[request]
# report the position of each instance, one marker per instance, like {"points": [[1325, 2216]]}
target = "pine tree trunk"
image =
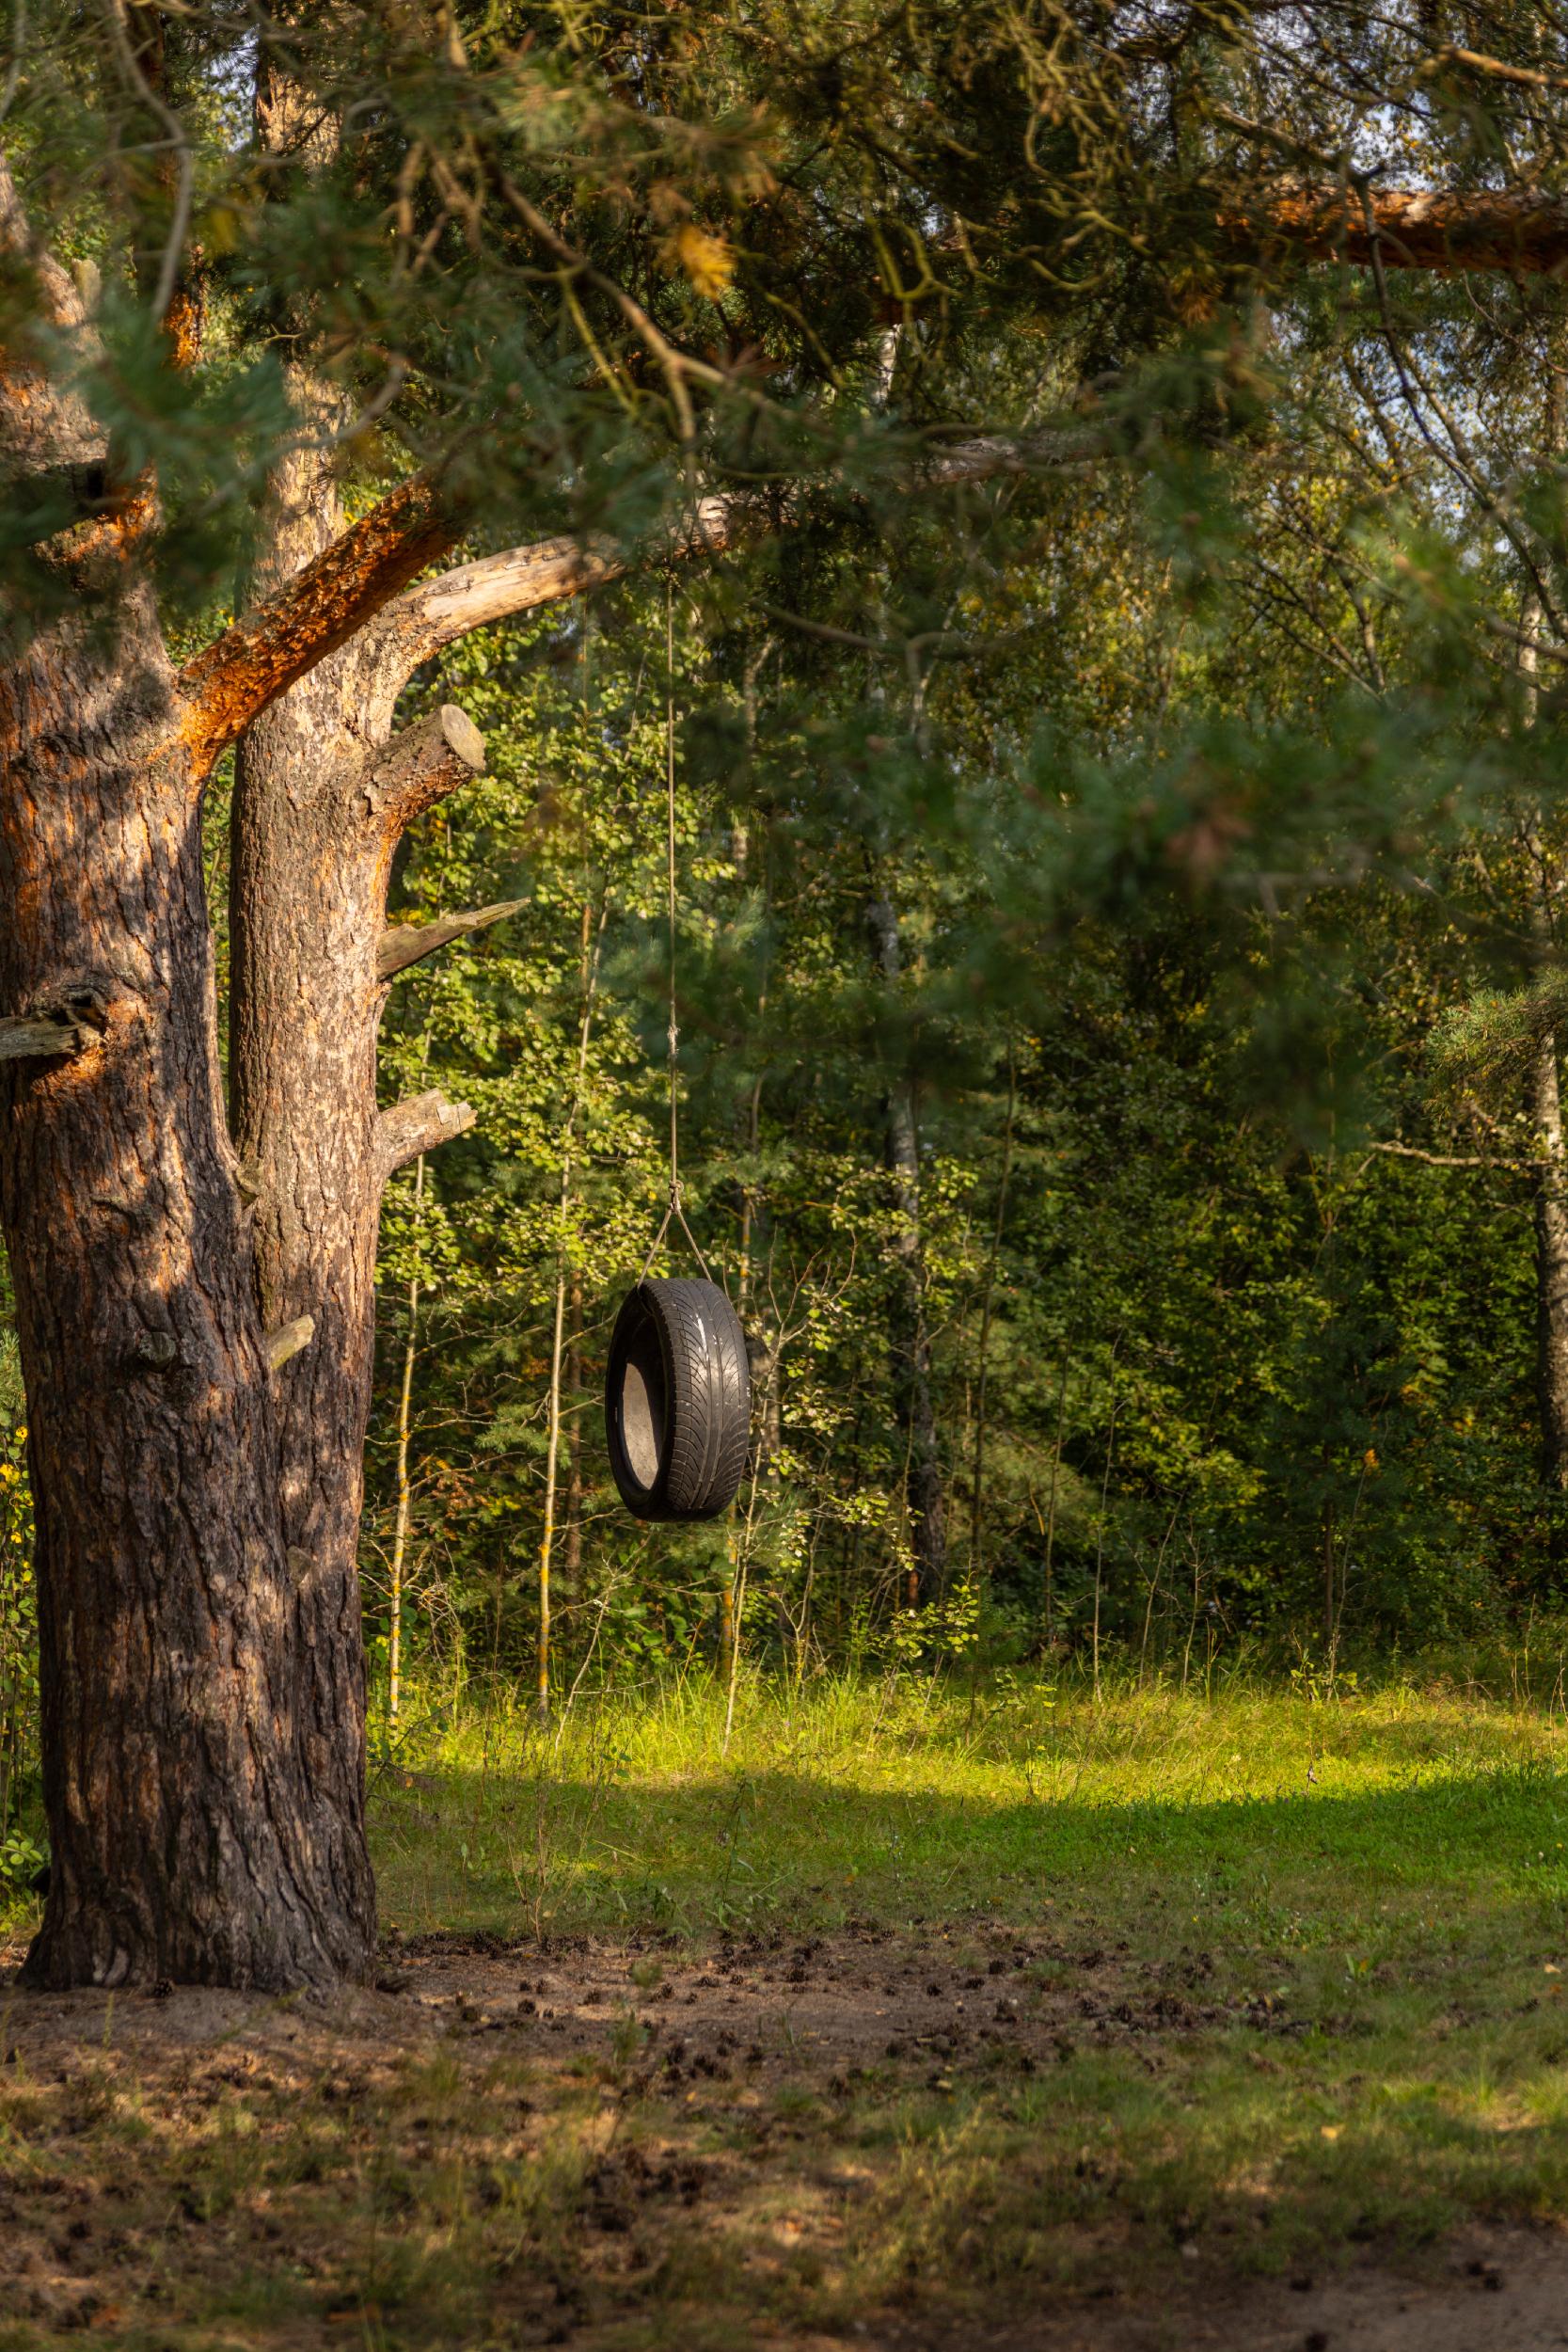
{"points": [[306, 914], [911, 1342], [1544, 1090], [196, 1495], [320, 804], [318, 816], [1551, 1259], [188, 1835], [321, 798], [571, 1553], [193, 1831]]}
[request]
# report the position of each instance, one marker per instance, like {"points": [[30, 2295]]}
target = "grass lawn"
{"points": [[916, 2001]]}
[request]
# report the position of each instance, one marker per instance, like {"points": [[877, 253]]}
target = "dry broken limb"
{"points": [[357, 585], [1456, 1159], [408, 944], [203, 1691]]}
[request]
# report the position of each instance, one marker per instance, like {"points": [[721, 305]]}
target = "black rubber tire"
{"points": [[677, 1400]]}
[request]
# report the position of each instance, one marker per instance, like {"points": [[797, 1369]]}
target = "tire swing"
{"points": [[677, 1386]]}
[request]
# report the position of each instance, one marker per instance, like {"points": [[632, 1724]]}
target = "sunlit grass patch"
{"points": [[849, 1799]]}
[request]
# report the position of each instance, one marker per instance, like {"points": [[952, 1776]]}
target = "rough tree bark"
{"points": [[303, 930], [202, 1663], [321, 801], [1424, 229], [187, 1837]]}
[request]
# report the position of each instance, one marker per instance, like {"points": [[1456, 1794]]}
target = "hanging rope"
{"points": [[672, 1207]]}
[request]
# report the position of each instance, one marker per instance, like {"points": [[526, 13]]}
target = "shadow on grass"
{"points": [[797, 1849]]}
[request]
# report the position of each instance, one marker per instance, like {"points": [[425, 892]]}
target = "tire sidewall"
{"points": [[645, 1502]]}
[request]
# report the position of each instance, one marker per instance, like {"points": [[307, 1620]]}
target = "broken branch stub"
{"points": [[288, 1340], [287, 634], [40, 1036], [422, 765], [420, 1124], [407, 943]]}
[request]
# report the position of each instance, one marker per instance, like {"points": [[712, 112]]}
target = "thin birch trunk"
{"points": [[726, 1601], [739, 1561], [1154, 1591], [911, 1336], [590, 969], [552, 1455], [1055, 1480], [976, 1553], [400, 1527], [1551, 1251], [1100, 1532], [571, 1563]]}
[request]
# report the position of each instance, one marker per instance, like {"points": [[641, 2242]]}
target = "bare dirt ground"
{"points": [[181, 2168]]}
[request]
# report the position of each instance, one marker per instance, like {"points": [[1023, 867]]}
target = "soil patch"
{"points": [[588, 2141]]}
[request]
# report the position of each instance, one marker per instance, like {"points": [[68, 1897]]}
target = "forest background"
{"points": [[1118, 968]]}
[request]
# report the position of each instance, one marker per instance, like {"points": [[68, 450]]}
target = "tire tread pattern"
{"points": [[707, 1399], [711, 1396]]}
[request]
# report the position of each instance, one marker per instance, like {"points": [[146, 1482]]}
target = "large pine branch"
{"points": [[361, 575], [1426, 229], [372, 570], [434, 612], [283, 638]]}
